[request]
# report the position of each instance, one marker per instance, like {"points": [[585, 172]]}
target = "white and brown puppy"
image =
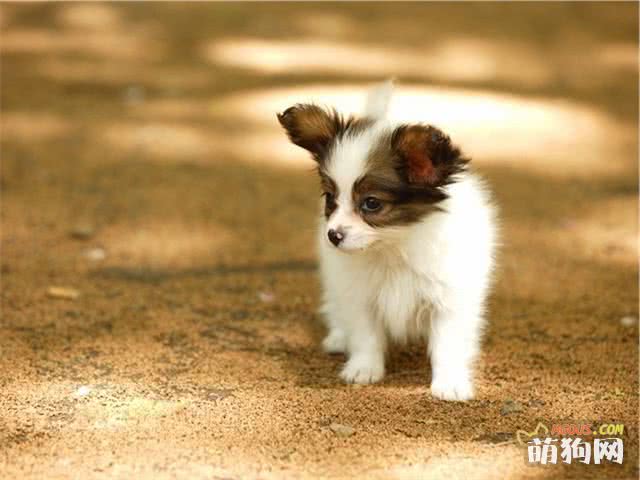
{"points": [[407, 241]]}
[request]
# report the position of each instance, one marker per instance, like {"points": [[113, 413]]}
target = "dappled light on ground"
{"points": [[4, 16], [608, 229], [30, 126], [620, 56], [169, 141], [176, 109], [145, 413], [109, 45], [469, 463], [163, 244], [90, 16], [95, 30], [326, 24], [122, 72], [454, 60], [173, 142]]}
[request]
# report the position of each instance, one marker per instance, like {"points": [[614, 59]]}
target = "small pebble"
{"points": [[568, 224], [342, 430], [82, 231], [63, 293], [629, 321], [266, 297], [95, 254], [83, 391], [134, 94], [511, 406]]}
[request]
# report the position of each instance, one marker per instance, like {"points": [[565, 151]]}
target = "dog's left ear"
{"points": [[310, 127], [426, 155]]}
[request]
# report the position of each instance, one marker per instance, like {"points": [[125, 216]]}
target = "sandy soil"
{"points": [[186, 343]]}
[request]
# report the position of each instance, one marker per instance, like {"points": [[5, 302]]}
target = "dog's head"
{"points": [[375, 178]]}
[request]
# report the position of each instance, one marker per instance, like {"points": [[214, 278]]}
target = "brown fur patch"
{"points": [[329, 192], [427, 156], [412, 143], [310, 127], [315, 129], [401, 204], [406, 171]]}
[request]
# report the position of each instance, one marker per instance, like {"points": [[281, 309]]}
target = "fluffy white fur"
{"points": [[426, 280]]}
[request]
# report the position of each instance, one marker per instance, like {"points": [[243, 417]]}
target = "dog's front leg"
{"points": [[454, 338], [366, 345]]}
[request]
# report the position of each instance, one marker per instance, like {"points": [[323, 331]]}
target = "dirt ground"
{"points": [[144, 174]]}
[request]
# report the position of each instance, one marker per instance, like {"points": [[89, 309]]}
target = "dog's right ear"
{"points": [[311, 127]]}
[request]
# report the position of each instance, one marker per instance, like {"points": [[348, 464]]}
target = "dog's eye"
{"points": [[371, 204]]}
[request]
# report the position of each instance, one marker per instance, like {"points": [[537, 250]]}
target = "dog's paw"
{"points": [[362, 370], [335, 342], [457, 388]]}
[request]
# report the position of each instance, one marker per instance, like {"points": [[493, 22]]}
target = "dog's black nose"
{"points": [[335, 236]]}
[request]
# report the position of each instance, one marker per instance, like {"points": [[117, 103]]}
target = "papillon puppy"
{"points": [[406, 240]]}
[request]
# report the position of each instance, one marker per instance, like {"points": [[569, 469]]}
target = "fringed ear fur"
{"points": [[426, 155], [311, 127]]}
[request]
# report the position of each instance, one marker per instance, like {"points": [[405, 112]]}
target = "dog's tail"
{"points": [[378, 100]]}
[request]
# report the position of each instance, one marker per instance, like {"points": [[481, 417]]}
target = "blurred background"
{"points": [[158, 266]]}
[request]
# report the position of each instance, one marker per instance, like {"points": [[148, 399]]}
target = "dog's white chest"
{"points": [[399, 301]]}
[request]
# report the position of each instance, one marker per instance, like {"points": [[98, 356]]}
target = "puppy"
{"points": [[406, 241]]}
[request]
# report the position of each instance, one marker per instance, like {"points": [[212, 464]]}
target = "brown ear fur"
{"points": [[427, 156], [311, 127]]}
